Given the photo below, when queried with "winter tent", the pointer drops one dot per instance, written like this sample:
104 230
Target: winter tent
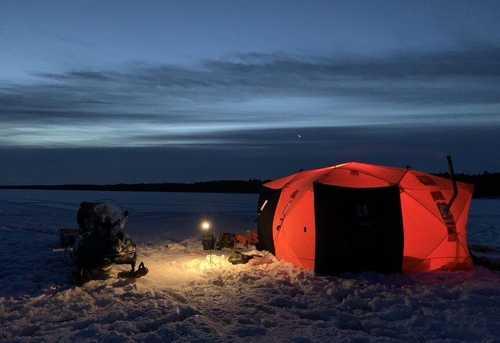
357 217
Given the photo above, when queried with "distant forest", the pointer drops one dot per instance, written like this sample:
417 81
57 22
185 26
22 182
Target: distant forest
486 185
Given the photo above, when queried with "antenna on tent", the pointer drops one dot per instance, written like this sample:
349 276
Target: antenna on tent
453 180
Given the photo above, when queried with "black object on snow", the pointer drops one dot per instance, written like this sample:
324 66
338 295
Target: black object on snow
486 256
238 258
226 240
208 241
134 274
101 240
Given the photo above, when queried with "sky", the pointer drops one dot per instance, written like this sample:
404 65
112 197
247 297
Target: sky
151 91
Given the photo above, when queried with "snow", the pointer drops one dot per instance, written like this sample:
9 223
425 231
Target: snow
191 296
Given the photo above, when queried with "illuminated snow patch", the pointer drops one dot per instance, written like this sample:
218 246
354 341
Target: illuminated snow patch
208 263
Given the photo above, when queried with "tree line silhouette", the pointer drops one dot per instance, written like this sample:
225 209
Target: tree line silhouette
485 185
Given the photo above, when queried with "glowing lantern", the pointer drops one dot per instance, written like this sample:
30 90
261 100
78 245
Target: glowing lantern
205 226
208 239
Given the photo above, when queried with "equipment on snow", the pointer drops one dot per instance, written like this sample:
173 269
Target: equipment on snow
226 240
67 237
134 274
102 241
237 257
208 240
246 239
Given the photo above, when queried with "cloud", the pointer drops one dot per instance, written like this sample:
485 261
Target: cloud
137 103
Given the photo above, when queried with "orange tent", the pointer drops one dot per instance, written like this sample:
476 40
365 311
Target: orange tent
356 217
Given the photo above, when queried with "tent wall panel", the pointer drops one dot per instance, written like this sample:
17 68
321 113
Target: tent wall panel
419 226
298 234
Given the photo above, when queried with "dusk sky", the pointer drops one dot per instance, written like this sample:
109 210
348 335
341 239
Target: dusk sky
149 91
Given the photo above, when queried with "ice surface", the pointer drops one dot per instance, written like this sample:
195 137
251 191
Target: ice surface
190 296
484 222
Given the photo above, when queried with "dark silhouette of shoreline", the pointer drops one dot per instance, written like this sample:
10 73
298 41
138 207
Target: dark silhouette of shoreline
487 185
220 186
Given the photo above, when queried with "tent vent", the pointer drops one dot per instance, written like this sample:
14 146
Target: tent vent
426 180
437 196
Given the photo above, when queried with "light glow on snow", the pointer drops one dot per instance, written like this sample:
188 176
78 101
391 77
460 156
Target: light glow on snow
201 265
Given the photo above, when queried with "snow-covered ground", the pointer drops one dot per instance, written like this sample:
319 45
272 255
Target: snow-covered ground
189 297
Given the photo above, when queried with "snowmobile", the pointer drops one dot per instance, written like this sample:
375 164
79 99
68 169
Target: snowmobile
102 242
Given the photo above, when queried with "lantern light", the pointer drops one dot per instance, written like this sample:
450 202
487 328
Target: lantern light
208 239
205 225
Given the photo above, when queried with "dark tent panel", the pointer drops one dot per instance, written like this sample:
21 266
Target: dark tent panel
358 229
266 208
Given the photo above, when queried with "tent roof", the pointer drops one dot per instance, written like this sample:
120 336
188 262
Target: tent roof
363 175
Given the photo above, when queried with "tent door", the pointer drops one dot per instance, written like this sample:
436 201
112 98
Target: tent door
358 229
266 209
